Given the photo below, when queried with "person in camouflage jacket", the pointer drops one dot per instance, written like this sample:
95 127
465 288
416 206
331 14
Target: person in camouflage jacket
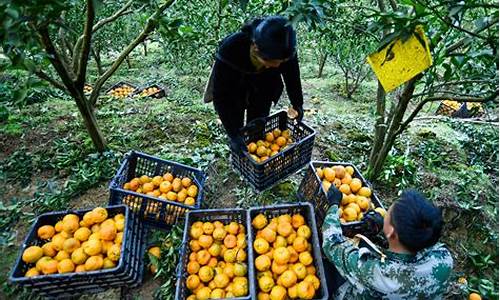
415 266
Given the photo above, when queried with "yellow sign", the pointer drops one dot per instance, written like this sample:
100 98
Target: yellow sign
400 61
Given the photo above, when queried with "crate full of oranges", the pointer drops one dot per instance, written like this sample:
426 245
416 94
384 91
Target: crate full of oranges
158 190
214 261
84 249
286 254
357 194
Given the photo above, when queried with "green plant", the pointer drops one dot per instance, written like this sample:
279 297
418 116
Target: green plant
400 171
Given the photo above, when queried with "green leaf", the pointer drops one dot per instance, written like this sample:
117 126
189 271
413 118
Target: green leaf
14 14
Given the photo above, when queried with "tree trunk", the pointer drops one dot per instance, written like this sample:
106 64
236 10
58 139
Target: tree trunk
90 122
380 130
375 167
145 47
96 53
322 62
129 62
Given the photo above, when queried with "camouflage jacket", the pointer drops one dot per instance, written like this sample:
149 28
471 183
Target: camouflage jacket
376 274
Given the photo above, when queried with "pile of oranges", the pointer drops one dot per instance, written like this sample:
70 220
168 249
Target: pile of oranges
149 91
217 261
275 142
122 91
77 245
166 187
355 197
87 89
284 260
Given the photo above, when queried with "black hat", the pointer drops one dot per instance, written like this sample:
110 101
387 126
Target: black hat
275 38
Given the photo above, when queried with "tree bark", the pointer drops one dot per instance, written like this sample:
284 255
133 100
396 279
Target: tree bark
96 53
90 122
322 61
145 47
129 63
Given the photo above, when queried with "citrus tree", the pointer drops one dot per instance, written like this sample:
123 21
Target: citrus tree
34 34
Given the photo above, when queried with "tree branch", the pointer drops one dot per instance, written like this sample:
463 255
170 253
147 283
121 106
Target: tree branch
97 26
56 60
121 12
150 26
59 85
462 41
81 71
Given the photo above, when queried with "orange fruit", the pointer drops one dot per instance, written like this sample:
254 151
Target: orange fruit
80 268
337 182
305 290
319 172
92 247
94 263
297 221
215 250
261 151
266 283
108 232
277 132
261 246
285 229
165 186
50 267
288 278
230 255
278 269
71 245
196 232
304 231
252 147
65 266
32 272
339 171
241 256
280 242
260 221
349 214
206 241
58 227
300 270
114 252
240 286
82 234
355 206
48 249
381 211
347 179
148 187
144 179
305 258
311 270
344 188
365 192
192 191
281 141
233 228
177 184
206 273
262 263
70 225
156 181
168 177
203 257
300 244
193 267
108 264
208 228
292 292
281 255
219 233
329 174
221 280
217 294
474 296
32 254
46 232
240 269
269 137
355 185
100 214
363 203
325 184
313 280
294 256
212 262
61 255
349 170
79 256
278 293
268 234
203 293
230 241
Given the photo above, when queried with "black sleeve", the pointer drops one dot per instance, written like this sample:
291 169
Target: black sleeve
291 77
226 95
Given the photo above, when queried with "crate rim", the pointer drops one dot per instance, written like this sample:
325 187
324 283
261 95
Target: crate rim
318 254
281 153
374 195
24 245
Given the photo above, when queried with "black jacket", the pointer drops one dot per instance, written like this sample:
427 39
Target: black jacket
237 84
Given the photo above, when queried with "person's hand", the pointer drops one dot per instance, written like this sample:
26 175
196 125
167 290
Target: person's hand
296 113
333 196
237 144
373 223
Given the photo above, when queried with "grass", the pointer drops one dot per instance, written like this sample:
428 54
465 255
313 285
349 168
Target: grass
50 162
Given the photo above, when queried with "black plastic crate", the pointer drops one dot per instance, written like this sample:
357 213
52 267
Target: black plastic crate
127 271
212 215
311 190
154 211
160 94
307 211
262 175
132 279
